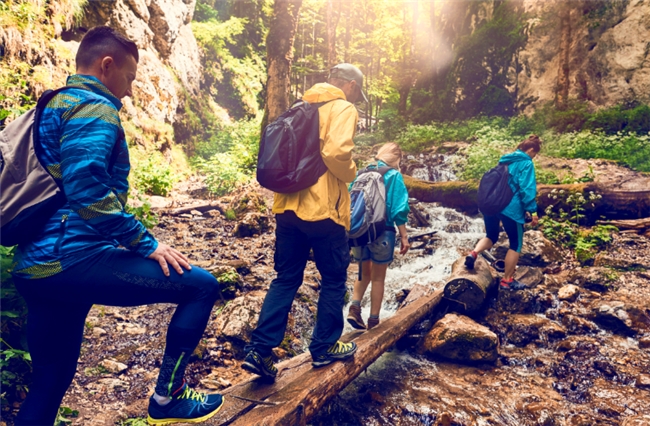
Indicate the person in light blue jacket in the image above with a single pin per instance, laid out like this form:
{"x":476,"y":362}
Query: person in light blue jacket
{"x":376,"y":256}
{"x":524,"y":187}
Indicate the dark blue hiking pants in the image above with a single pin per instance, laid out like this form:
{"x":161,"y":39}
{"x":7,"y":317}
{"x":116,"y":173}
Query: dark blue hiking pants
{"x":294,"y":238}
{"x":58,"y":305}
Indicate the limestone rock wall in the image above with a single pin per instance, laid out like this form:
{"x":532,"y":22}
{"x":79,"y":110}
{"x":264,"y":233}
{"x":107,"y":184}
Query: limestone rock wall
{"x":609,"y":53}
{"x":169,"y":55}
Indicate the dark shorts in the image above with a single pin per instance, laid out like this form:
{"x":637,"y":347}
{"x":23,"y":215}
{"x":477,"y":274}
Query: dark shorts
{"x":514,"y":230}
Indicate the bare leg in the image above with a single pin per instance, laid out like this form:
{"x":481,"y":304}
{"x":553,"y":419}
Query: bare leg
{"x":512,"y":257}
{"x":484,"y":244}
{"x":361,"y":286}
{"x":377,"y":291}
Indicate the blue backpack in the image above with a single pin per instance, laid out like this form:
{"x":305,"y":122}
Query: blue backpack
{"x":368,"y":206}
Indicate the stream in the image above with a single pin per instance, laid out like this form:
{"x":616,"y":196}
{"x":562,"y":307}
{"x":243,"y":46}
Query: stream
{"x":576,"y":381}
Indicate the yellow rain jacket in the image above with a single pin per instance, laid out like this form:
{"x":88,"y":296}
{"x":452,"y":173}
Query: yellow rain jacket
{"x":328,"y":198}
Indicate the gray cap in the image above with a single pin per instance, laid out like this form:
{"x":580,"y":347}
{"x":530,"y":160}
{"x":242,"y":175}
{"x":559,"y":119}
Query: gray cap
{"x":348,"y":72}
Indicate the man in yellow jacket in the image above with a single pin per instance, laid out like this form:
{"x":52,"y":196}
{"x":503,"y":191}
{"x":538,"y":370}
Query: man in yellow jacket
{"x":315,"y":218}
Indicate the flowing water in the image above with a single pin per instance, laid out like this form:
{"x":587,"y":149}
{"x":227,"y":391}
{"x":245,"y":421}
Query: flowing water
{"x":539,"y":384}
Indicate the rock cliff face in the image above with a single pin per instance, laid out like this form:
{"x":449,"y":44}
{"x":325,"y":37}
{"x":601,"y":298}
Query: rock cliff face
{"x":170,"y":58}
{"x":605,"y":54}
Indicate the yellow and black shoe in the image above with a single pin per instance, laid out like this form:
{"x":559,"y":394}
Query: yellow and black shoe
{"x":338,"y":350}
{"x":261,"y":366}
{"x":186,"y":406}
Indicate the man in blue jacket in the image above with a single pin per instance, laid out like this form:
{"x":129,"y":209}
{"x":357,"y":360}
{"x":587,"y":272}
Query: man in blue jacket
{"x":76,"y":261}
{"x":522,"y":181}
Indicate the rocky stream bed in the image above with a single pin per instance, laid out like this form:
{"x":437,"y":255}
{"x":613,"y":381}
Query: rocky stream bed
{"x":571,"y":349}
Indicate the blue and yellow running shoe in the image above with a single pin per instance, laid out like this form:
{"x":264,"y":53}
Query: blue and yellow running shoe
{"x":186,"y":406}
{"x":338,"y":350}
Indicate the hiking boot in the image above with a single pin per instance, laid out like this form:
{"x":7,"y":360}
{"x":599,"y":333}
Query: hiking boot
{"x":511,"y":285}
{"x":354,"y":317}
{"x":372,"y":322}
{"x":338,"y":350}
{"x":186,"y":406}
{"x":261,"y":366}
{"x":469,"y":260}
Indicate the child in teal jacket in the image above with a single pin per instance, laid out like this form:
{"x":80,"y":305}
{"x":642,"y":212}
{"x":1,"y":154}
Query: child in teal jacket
{"x":524,"y":187}
{"x":376,"y":256}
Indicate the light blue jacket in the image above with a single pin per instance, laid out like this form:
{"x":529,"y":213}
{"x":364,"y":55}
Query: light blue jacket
{"x":397,"y":198}
{"x":523,"y":183}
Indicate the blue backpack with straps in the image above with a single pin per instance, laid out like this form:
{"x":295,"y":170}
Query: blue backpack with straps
{"x":368,"y":206}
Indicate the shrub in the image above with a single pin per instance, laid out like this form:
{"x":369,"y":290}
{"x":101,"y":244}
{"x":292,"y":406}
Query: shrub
{"x":15,"y":361}
{"x":154,"y":177}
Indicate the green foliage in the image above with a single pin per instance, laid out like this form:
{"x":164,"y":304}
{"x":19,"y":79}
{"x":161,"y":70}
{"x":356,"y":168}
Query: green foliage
{"x":484,"y":153}
{"x":230,"y":157}
{"x":154,"y":177}
{"x":65,"y":415}
{"x":144,"y":213}
{"x":563,"y":226}
{"x":15,"y":361}
{"x":628,"y":148}
{"x":230,"y":215}
{"x":135,"y":421}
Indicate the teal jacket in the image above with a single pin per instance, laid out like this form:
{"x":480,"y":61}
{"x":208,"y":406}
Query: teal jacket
{"x":397,"y":197}
{"x":523,"y":183}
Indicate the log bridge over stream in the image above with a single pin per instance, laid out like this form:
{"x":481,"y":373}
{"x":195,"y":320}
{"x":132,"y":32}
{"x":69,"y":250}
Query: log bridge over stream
{"x":300,"y":390}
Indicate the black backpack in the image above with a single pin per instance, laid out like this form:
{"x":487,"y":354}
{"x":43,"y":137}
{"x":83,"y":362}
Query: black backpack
{"x":494,"y":192}
{"x":290,"y":156}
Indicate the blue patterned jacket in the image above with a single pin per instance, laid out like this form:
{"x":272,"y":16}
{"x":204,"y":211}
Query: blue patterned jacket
{"x":78,"y":130}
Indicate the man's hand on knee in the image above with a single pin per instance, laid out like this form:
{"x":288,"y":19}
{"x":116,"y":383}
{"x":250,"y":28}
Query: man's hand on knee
{"x":166,"y":255}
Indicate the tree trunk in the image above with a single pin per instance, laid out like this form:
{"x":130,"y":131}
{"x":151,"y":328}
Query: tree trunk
{"x":279,"y":50}
{"x":563,"y":83}
{"x":614,"y":204}
{"x":300,"y":390}
{"x":469,"y":288}
{"x":332,"y":23}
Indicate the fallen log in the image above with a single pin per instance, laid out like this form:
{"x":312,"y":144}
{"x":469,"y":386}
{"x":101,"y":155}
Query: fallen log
{"x":204,"y":207}
{"x":614,"y":204}
{"x":469,"y":287}
{"x":300,"y":390}
{"x":636,"y":224}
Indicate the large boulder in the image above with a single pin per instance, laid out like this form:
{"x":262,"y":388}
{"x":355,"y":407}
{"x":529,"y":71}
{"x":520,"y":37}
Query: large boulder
{"x":594,"y":278}
{"x":251,"y":224}
{"x":536,"y":250}
{"x":620,"y":317}
{"x":523,"y":329}
{"x":458,"y":338}
{"x":238,"y":319}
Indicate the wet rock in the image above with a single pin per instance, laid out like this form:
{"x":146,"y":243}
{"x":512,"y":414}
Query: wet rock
{"x":578,"y":325}
{"x":111,"y":384}
{"x":238,"y":319}
{"x":516,"y":301}
{"x":595,"y":278}
{"x":642,"y":381}
{"x":612,"y":315}
{"x":644,"y":342}
{"x":568,"y":292}
{"x":113,"y":366}
{"x":619,"y":317}
{"x":530,"y":277}
{"x":523,"y":329}
{"x":536,"y":250}
{"x":457,"y":337}
{"x":215,"y":381}
{"x":251,"y":224}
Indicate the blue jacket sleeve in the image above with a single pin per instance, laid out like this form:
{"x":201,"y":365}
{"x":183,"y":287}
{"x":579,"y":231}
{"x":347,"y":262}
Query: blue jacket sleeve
{"x":89,"y":133}
{"x":528,"y":187}
{"x":397,"y":199}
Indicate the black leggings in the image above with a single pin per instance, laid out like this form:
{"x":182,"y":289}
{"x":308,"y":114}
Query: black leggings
{"x":57,"y":309}
{"x":514,"y":230}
